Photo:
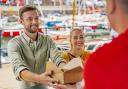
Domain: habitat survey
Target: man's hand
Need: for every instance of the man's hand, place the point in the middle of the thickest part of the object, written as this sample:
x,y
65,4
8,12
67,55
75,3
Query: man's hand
x,y
45,78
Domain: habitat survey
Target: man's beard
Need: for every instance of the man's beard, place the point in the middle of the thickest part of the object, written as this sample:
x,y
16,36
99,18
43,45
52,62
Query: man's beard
x,y
30,30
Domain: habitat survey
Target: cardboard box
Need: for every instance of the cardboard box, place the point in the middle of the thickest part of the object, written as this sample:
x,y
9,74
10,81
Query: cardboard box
x,y
68,74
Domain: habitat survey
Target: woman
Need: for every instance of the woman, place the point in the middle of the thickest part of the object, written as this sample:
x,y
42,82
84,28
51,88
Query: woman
x,y
77,40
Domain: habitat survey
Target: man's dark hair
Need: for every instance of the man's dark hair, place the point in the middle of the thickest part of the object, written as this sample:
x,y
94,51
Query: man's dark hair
x,y
26,8
124,5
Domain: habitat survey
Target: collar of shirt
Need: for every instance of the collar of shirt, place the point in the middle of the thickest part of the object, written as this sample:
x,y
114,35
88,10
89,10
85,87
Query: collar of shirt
x,y
28,39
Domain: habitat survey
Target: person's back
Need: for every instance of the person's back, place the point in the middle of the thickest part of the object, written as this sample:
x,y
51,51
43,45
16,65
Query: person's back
x,y
107,67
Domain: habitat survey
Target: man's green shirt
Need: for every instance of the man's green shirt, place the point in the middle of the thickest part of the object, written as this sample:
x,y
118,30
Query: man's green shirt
x,y
32,56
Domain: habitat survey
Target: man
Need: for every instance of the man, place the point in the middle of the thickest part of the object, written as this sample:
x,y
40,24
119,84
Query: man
x,y
30,51
107,67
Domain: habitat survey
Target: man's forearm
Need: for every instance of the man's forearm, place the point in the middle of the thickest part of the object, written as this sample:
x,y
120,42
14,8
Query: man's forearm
x,y
29,76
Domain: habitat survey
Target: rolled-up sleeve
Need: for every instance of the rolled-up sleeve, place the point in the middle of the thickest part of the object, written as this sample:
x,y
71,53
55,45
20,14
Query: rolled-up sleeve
x,y
15,55
55,55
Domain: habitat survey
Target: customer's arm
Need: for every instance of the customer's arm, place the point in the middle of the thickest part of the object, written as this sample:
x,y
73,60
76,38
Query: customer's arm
x,y
55,55
15,56
20,68
43,78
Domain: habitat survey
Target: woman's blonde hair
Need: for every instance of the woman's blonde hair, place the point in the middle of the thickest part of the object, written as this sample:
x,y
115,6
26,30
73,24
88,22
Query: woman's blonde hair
x,y
75,29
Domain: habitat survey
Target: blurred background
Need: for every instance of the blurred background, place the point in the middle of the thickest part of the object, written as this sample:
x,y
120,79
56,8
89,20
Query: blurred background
x,y
57,19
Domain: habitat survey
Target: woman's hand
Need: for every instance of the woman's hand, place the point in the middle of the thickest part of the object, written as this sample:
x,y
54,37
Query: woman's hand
x,y
60,86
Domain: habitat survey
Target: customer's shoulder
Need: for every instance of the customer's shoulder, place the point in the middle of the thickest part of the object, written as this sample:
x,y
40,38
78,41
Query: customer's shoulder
x,y
102,48
65,56
14,42
45,37
64,53
102,52
16,38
